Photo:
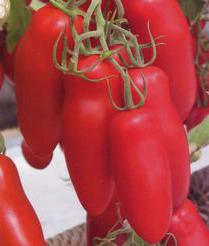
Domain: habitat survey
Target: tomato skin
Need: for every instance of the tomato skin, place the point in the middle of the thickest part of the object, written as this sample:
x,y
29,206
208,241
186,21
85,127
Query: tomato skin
x,y
19,222
159,101
188,227
32,159
86,113
176,56
1,75
39,89
99,226
196,116
143,180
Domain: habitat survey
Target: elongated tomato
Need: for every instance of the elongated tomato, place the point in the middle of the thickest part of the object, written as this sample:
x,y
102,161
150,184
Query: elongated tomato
x,y
141,171
39,88
86,113
19,222
159,101
175,56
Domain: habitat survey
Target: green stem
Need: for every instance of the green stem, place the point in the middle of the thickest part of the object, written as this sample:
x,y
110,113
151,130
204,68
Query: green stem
x,y
120,8
71,12
87,18
78,43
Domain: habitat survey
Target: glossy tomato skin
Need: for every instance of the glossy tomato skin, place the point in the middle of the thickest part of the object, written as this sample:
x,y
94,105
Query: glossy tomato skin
x,y
19,222
110,220
188,227
159,101
141,171
175,57
34,160
39,89
86,113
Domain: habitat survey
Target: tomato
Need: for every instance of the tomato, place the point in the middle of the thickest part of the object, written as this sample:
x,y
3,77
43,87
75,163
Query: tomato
x,y
34,160
19,222
196,116
143,180
39,88
110,220
159,101
175,57
85,116
188,227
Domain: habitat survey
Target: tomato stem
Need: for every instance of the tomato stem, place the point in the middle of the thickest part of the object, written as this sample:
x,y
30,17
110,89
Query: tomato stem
x,y
72,12
106,31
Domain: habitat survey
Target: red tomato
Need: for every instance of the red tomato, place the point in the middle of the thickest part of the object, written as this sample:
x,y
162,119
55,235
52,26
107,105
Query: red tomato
x,y
19,222
108,221
141,171
86,113
159,101
188,227
39,88
196,116
34,160
175,57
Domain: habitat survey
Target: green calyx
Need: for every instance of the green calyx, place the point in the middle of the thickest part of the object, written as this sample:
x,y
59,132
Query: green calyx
x,y
108,31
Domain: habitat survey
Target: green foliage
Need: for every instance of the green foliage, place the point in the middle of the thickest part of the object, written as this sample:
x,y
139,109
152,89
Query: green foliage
x,y
17,22
192,8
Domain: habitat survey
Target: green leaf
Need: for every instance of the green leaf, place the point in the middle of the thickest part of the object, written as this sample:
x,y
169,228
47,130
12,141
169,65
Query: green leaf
x,y
192,8
18,20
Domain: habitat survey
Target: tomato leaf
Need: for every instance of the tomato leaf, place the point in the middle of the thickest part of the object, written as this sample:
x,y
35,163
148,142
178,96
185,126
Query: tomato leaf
x,y
17,22
192,8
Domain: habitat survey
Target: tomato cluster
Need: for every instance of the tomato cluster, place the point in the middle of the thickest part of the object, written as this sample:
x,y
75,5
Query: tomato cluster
x,y
117,112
